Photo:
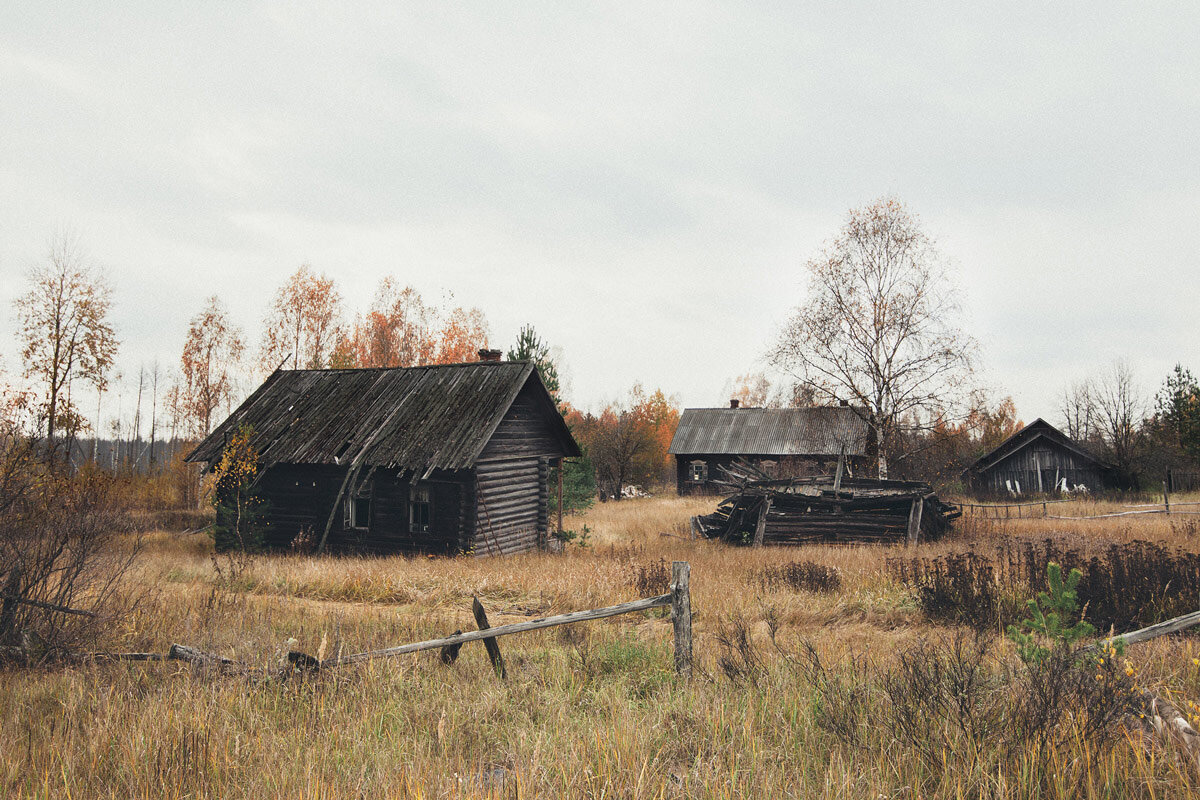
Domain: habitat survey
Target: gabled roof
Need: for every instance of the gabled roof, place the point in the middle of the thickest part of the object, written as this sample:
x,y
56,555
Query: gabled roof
x,y
819,430
1038,429
416,418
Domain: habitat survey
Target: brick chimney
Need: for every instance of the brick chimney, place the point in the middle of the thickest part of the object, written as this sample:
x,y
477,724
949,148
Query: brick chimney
x,y
843,403
489,355
734,402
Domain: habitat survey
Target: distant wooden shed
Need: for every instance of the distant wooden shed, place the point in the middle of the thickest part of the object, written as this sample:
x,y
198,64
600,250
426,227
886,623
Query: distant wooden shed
x,y
435,459
1038,458
781,442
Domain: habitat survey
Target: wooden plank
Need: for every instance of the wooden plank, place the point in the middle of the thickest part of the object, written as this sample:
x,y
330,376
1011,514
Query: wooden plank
x,y
681,616
493,648
505,630
761,528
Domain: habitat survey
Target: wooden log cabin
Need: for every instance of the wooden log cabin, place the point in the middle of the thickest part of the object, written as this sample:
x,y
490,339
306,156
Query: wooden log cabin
x,y
437,459
780,442
1039,458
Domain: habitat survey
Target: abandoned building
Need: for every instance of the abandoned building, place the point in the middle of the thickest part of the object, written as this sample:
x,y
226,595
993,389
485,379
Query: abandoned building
x,y
781,442
1038,458
436,459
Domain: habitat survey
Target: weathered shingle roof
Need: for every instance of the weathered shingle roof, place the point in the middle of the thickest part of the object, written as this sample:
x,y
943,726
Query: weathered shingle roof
x,y
418,418
770,431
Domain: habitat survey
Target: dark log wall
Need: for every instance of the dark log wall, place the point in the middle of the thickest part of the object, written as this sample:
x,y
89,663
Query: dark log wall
x,y
784,467
508,515
1052,459
524,431
298,497
301,496
512,473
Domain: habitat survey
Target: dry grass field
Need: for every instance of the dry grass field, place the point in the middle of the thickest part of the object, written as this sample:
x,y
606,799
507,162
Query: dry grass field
x,y
591,710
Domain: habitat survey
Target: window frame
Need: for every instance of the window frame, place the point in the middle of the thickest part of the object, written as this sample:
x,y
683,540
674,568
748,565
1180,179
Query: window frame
x,y
352,510
697,472
414,503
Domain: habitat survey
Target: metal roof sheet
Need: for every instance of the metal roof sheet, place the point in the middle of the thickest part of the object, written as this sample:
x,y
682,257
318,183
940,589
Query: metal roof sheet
x,y
418,418
820,430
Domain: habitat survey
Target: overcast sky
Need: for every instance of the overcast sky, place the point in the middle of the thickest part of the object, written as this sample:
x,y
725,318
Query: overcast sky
x,y
642,182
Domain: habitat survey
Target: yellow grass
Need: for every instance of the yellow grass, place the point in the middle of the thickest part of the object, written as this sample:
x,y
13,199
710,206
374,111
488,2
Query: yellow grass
x,y
590,711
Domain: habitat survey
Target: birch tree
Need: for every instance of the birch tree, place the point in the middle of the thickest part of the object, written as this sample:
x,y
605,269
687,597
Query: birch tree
x,y
64,331
303,324
211,355
879,329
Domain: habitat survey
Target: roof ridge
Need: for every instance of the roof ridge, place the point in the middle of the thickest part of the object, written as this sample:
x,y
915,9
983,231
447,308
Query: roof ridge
x,y
490,364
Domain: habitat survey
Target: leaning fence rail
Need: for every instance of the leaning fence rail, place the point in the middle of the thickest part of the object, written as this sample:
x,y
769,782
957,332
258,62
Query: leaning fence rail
x,y
678,599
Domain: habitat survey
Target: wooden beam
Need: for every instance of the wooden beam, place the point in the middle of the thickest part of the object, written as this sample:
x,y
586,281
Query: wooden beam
x,y
681,616
48,606
493,648
760,529
561,463
914,520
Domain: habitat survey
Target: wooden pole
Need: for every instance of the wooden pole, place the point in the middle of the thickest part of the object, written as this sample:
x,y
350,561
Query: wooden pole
x,y
681,616
561,463
1166,498
493,647
1153,631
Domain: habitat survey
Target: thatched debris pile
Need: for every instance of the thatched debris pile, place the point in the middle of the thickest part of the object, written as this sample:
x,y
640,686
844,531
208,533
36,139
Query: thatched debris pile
x,y
762,510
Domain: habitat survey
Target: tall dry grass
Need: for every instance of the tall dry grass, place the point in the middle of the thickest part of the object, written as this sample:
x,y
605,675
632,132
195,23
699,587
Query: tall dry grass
x,y
593,710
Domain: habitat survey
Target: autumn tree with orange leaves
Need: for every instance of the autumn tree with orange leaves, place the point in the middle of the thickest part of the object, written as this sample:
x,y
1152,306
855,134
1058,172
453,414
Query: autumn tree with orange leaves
x,y
303,325
401,330
627,441
211,355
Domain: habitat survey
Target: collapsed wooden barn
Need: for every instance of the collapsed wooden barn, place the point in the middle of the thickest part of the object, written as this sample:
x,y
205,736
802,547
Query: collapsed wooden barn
x,y
782,442
435,459
762,510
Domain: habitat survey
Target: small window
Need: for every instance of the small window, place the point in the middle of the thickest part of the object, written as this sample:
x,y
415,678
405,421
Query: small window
x,y
419,508
358,511
699,471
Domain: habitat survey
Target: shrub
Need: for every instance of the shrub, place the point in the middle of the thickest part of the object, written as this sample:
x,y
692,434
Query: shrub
x,y
239,509
59,549
1122,586
801,576
651,579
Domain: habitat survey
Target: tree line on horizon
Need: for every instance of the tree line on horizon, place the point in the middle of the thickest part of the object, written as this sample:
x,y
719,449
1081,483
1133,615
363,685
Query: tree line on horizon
x,y
879,331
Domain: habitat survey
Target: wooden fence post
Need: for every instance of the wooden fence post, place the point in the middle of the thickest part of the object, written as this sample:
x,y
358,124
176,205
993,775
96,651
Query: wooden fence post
x,y
681,616
1166,498
493,647
8,611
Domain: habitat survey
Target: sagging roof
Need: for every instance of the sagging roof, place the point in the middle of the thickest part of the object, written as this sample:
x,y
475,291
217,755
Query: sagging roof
x,y
818,430
1038,429
416,418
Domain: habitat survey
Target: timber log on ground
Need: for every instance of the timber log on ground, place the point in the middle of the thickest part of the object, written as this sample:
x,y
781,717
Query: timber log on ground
x,y
824,509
